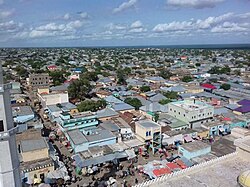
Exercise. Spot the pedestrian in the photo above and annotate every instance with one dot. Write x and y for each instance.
(136, 181)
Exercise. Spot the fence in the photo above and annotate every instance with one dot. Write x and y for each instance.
(186, 171)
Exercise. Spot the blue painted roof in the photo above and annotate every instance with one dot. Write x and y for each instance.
(122, 106)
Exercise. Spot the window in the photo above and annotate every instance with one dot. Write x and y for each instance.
(179, 113)
(170, 109)
(184, 115)
(149, 133)
(1, 126)
(174, 110)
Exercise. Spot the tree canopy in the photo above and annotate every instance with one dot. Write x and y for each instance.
(164, 101)
(145, 89)
(133, 102)
(90, 105)
(220, 70)
(225, 86)
(171, 95)
(90, 76)
(21, 71)
(165, 73)
(57, 77)
(187, 78)
(79, 89)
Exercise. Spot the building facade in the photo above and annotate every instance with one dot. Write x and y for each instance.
(36, 163)
(80, 120)
(38, 80)
(192, 112)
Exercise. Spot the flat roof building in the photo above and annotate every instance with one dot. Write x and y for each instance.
(191, 111)
(194, 149)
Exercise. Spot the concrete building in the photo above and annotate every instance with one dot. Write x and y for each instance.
(149, 132)
(53, 98)
(194, 149)
(36, 163)
(80, 120)
(54, 111)
(192, 112)
(215, 128)
(38, 80)
(9, 162)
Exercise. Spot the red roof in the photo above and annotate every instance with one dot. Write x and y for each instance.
(162, 171)
(226, 119)
(209, 86)
(52, 67)
(181, 164)
(172, 166)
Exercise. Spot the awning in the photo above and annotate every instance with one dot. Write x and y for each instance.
(130, 153)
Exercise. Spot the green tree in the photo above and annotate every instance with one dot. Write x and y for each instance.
(145, 89)
(133, 102)
(130, 87)
(79, 89)
(156, 117)
(187, 78)
(237, 72)
(90, 105)
(171, 95)
(220, 70)
(21, 71)
(225, 86)
(57, 77)
(197, 64)
(165, 73)
(164, 101)
(90, 76)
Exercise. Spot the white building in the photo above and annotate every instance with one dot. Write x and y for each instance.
(53, 98)
(9, 162)
(192, 112)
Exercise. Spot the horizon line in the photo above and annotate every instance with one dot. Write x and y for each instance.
(240, 45)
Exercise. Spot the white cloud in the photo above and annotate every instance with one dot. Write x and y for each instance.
(138, 30)
(199, 4)
(112, 26)
(84, 15)
(195, 25)
(6, 13)
(66, 16)
(10, 26)
(66, 30)
(136, 24)
(227, 27)
(226, 23)
(124, 6)
(137, 27)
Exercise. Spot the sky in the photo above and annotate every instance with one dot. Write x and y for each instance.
(69, 23)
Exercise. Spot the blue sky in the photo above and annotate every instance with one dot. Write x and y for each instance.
(42, 23)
